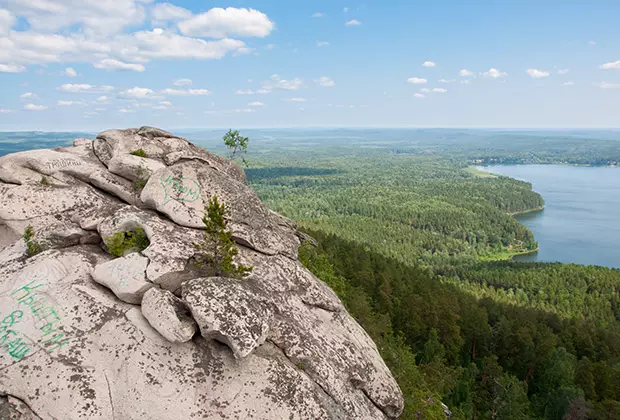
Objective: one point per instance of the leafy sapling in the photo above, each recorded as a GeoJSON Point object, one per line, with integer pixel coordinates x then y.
{"type": "Point", "coordinates": [237, 144]}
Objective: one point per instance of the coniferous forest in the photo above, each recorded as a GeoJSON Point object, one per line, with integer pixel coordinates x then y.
{"type": "Point", "coordinates": [417, 242]}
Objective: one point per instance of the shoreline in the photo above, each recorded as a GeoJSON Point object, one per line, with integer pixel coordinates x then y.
{"type": "Point", "coordinates": [534, 210]}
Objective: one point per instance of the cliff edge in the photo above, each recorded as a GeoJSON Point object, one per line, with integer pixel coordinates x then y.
{"type": "Point", "coordinates": [142, 336]}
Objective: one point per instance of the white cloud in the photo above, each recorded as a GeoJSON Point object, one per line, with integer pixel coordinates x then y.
{"type": "Point", "coordinates": [160, 107]}
{"type": "Point", "coordinates": [186, 92]}
{"type": "Point", "coordinates": [182, 82]}
{"type": "Point", "coordinates": [126, 111]}
{"type": "Point", "coordinates": [353, 22]}
{"type": "Point", "coordinates": [113, 64]}
{"type": "Point", "coordinates": [252, 92]}
{"type": "Point", "coordinates": [440, 90]}
{"type": "Point", "coordinates": [256, 104]}
{"type": "Point", "coordinates": [537, 74]}
{"type": "Point", "coordinates": [84, 88]}
{"type": "Point", "coordinates": [420, 95]}
{"type": "Point", "coordinates": [563, 71]}
{"type": "Point", "coordinates": [494, 73]}
{"type": "Point", "coordinates": [615, 65]}
{"type": "Point", "coordinates": [568, 84]}
{"type": "Point", "coordinates": [100, 109]}
{"type": "Point", "coordinates": [29, 95]}
{"type": "Point", "coordinates": [591, 42]}
{"type": "Point", "coordinates": [5, 111]}
{"type": "Point", "coordinates": [447, 80]}
{"type": "Point", "coordinates": [465, 73]}
{"type": "Point", "coordinates": [466, 82]}
{"type": "Point", "coordinates": [425, 90]}
{"type": "Point", "coordinates": [221, 23]}
{"type": "Point", "coordinates": [606, 85]}
{"type": "Point", "coordinates": [11, 68]}
{"type": "Point", "coordinates": [169, 12]}
{"type": "Point", "coordinates": [69, 103]}
{"type": "Point", "coordinates": [429, 64]}
{"type": "Point", "coordinates": [70, 72]}
{"type": "Point", "coordinates": [136, 93]}
{"type": "Point", "coordinates": [346, 9]}
{"type": "Point", "coordinates": [93, 17]}
{"type": "Point", "coordinates": [166, 103]}
{"type": "Point", "coordinates": [318, 15]}
{"type": "Point", "coordinates": [278, 83]}
{"type": "Point", "coordinates": [322, 43]}
{"type": "Point", "coordinates": [325, 81]}
{"type": "Point", "coordinates": [296, 100]}
{"type": "Point", "coordinates": [417, 81]}
{"type": "Point", "coordinates": [33, 107]}
{"type": "Point", "coordinates": [7, 21]}
{"type": "Point", "coordinates": [102, 99]}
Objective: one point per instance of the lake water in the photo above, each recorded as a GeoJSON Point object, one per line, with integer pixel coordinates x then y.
{"type": "Point", "coordinates": [581, 220]}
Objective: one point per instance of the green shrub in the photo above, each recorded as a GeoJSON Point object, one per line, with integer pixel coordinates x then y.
{"type": "Point", "coordinates": [139, 152]}
{"type": "Point", "coordinates": [141, 178]}
{"type": "Point", "coordinates": [216, 251]}
{"type": "Point", "coordinates": [122, 243]}
{"type": "Point", "coordinates": [32, 246]}
{"type": "Point", "coordinates": [139, 184]}
{"type": "Point", "coordinates": [44, 181]}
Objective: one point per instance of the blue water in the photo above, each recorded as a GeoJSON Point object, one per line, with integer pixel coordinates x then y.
{"type": "Point", "coordinates": [581, 220]}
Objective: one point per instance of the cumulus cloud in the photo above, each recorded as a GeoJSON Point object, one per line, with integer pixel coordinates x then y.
{"type": "Point", "coordinates": [33, 107]}
{"type": "Point", "coordinates": [420, 95]}
{"type": "Point", "coordinates": [325, 81]}
{"type": "Point", "coordinates": [429, 64]}
{"type": "Point", "coordinates": [165, 12]}
{"type": "Point", "coordinates": [126, 111]}
{"type": "Point", "coordinates": [29, 95]}
{"type": "Point", "coordinates": [493, 73]}
{"type": "Point", "coordinates": [182, 82]}
{"type": "Point", "coordinates": [465, 73]}
{"type": "Point", "coordinates": [611, 66]}
{"type": "Point", "coordinates": [112, 64]}
{"type": "Point", "coordinates": [221, 23]}
{"type": "Point", "coordinates": [353, 22]}
{"type": "Point", "coordinates": [7, 21]}
{"type": "Point", "coordinates": [252, 92]}
{"type": "Point", "coordinates": [136, 93]}
{"type": "Point", "coordinates": [447, 80]}
{"type": "Point", "coordinates": [84, 88]}
{"type": "Point", "coordinates": [278, 83]}
{"type": "Point", "coordinates": [322, 43]}
{"type": "Point", "coordinates": [417, 81]}
{"type": "Point", "coordinates": [537, 74]}
{"type": "Point", "coordinates": [11, 68]}
{"type": "Point", "coordinates": [186, 92]}
{"type": "Point", "coordinates": [70, 72]}
{"type": "Point", "coordinates": [563, 71]}
{"type": "Point", "coordinates": [256, 104]}
{"type": "Point", "coordinates": [607, 85]}
{"type": "Point", "coordinates": [69, 103]}
{"type": "Point", "coordinates": [440, 90]}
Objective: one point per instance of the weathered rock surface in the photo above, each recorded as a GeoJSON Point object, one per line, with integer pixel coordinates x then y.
{"type": "Point", "coordinates": [73, 342]}
{"type": "Point", "coordinates": [168, 315]}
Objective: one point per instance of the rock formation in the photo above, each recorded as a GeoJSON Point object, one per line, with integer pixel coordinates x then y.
{"type": "Point", "coordinates": [143, 336]}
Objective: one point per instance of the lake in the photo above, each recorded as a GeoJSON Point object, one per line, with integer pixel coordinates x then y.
{"type": "Point", "coordinates": [581, 220]}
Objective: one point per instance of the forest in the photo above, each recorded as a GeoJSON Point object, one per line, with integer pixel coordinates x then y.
{"type": "Point", "coordinates": [417, 243]}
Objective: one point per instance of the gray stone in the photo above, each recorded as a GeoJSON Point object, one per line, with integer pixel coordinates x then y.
{"type": "Point", "coordinates": [125, 277]}
{"type": "Point", "coordinates": [168, 315]}
{"type": "Point", "coordinates": [229, 312]}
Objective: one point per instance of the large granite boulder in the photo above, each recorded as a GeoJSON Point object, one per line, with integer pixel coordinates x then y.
{"type": "Point", "coordinates": [145, 336]}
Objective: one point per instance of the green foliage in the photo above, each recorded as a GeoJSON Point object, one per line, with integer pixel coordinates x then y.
{"type": "Point", "coordinates": [122, 243]}
{"type": "Point", "coordinates": [141, 178]}
{"type": "Point", "coordinates": [216, 252]}
{"type": "Point", "coordinates": [236, 143]}
{"type": "Point", "coordinates": [139, 152]}
{"type": "Point", "coordinates": [44, 181]}
{"type": "Point", "coordinates": [32, 246]}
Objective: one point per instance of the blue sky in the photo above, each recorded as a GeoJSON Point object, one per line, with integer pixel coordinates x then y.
{"type": "Point", "coordinates": [98, 64]}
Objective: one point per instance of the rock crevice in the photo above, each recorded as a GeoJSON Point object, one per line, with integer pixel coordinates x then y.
{"type": "Point", "coordinates": [151, 348]}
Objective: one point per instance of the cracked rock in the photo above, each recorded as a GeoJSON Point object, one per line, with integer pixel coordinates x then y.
{"type": "Point", "coordinates": [168, 315]}
{"type": "Point", "coordinates": [125, 277]}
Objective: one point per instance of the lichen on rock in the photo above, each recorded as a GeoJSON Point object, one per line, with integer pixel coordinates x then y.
{"type": "Point", "coordinates": [143, 336]}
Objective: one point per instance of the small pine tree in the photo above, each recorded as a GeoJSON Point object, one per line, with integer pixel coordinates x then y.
{"type": "Point", "coordinates": [32, 246]}
{"type": "Point", "coordinates": [236, 143]}
{"type": "Point", "coordinates": [216, 252]}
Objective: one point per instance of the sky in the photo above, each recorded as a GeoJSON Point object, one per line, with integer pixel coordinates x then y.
{"type": "Point", "coordinates": [100, 64]}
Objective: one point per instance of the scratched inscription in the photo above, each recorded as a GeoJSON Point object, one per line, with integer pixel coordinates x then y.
{"type": "Point", "coordinates": [178, 188]}
{"type": "Point", "coordinates": [48, 322]}
{"type": "Point", "coordinates": [63, 163]}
